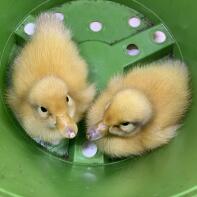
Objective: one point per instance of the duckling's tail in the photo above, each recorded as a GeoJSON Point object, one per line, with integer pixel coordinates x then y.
{"type": "Point", "coordinates": [49, 24]}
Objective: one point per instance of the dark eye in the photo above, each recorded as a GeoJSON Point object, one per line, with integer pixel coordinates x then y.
{"type": "Point", "coordinates": [67, 99]}
{"type": "Point", "coordinates": [43, 109]}
{"type": "Point", "coordinates": [125, 123]}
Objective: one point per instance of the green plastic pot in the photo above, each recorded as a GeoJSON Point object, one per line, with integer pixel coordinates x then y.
{"type": "Point", "coordinates": [26, 169]}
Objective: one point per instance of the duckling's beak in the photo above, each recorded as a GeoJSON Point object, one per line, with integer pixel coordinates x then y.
{"type": "Point", "coordinates": [69, 133]}
{"type": "Point", "coordinates": [67, 127]}
{"type": "Point", "coordinates": [97, 132]}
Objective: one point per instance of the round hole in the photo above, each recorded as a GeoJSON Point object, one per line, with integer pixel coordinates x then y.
{"type": "Point", "coordinates": [96, 26]}
{"type": "Point", "coordinates": [159, 37]}
{"type": "Point", "coordinates": [60, 16]}
{"type": "Point", "coordinates": [134, 22]}
{"type": "Point", "coordinates": [89, 149]}
{"type": "Point", "coordinates": [132, 50]}
{"type": "Point", "coordinates": [29, 29]}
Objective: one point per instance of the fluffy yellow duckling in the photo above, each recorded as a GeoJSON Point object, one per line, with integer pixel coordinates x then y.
{"type": "Point", "coordinates": [141, 110]}
{"type": "Point", "coordinates": [49, 91]}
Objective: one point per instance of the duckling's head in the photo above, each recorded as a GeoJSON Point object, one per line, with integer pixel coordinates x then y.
{"type": "Point", "coordinates": [50, 111]}
{"type": "Point", "coordinates": [124, 115]}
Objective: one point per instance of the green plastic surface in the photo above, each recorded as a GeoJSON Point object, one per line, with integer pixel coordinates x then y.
{"type": "Point", "coordinates": [28, 170]}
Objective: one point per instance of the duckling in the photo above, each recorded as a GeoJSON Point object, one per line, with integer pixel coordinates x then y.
{"type": "Point", "coordinates": [140, 110]}
{"type": "Point", "coordinates": [49, 90]}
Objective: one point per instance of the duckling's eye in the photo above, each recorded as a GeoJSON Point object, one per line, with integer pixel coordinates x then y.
{"type": "Point", "coordinates": [127, 127]}
{"type": "Point", "coordinates": [67, 99]}
{"type": "Point", "coordinates": [125, 123]}
{"type": "Point", "coordinates": [43, 109]}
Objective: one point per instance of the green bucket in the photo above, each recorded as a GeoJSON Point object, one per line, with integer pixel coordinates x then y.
{"type": "Point", "coordinates": [112, 36]}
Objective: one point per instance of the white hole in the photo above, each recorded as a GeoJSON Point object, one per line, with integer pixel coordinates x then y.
{"type": "Point", "coordinates": [29, 29]}
{"type": "Point", "coordinates": [60, 16]}
{"type": "Point", "coordinates": [89, 149]}
{"type": "Point", "coordinates": [159, 37]}
{"type": "Point", "coordinates": [132, 50]}
{"type": "Point", "coordinates": [96, 26]}
{"type": "Point", "coordinates": [134, 22]}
